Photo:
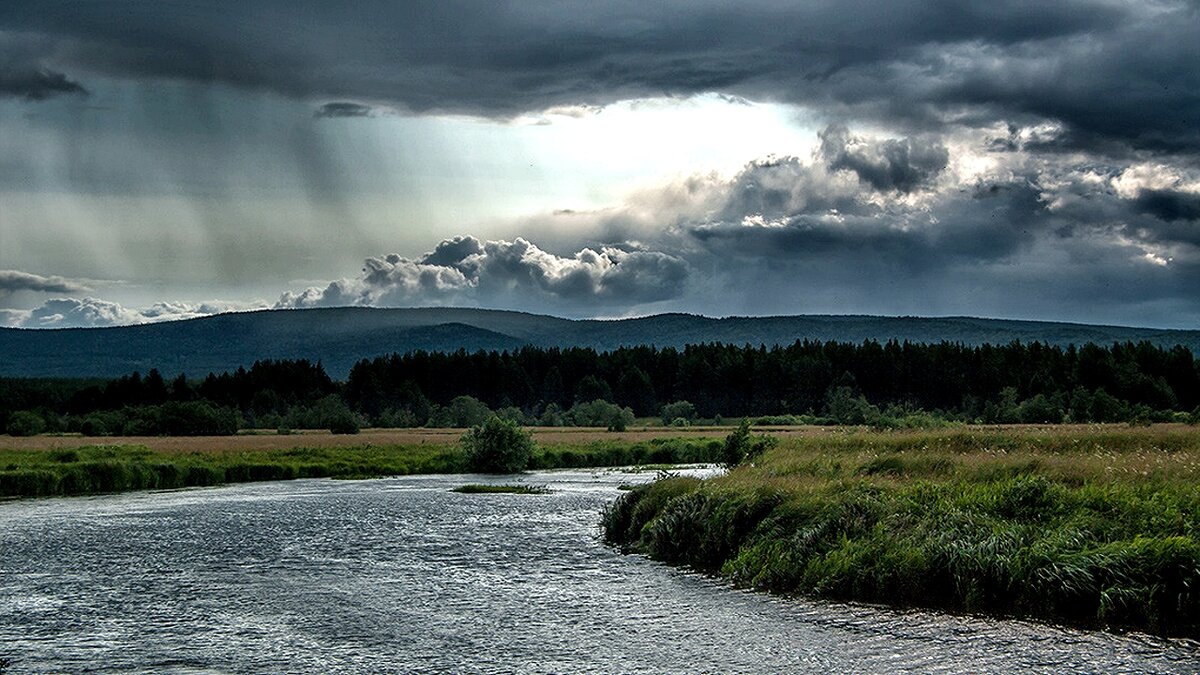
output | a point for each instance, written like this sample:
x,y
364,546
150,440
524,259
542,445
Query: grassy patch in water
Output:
x,y
480,489
1085,528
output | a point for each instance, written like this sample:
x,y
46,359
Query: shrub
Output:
x,y
600,413
740,446
344,422
25,423
553,416
497,446
678,410
461,412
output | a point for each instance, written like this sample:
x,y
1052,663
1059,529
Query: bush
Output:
x,y
25,423
497,446
343,423
740,446
677,410
462,412
600,413
553,416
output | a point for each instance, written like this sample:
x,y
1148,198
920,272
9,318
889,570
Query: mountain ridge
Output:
x,y
340,336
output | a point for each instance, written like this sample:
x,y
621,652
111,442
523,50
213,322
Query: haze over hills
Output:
x,y
339,337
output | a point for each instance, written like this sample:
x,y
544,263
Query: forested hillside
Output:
x,y
886,384
339,337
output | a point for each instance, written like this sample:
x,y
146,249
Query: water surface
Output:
x,y
401,575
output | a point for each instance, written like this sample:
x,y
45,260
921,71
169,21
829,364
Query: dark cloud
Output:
x,y
961,228
1061,237
452,252
344,109
892,164
15,280
1169,205
910,62
36,84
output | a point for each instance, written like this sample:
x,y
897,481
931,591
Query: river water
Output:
x,y
401,575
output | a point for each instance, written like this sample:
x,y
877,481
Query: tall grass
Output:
x,y
1091,529
97,468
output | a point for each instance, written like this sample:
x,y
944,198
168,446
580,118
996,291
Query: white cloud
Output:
x,y
95,313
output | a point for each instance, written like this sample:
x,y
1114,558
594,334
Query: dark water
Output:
x,y
400,575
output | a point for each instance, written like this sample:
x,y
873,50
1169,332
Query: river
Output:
x,y
402,575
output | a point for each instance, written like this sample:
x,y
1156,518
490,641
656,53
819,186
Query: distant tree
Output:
x,y
333,414
25,423
552,416
498,446
635,390
1040,410
678,410
553,390
463,412
601,413
592,388
511,413
844,406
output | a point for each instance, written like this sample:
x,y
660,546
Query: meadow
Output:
x,y
1091,526
72,465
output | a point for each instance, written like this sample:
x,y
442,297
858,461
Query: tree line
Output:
x,y
882,384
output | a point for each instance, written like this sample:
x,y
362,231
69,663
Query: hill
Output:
x,y
339,337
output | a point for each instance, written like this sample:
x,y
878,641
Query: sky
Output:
x,y
1007,158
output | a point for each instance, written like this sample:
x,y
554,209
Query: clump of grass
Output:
x,y
481,489
1099,529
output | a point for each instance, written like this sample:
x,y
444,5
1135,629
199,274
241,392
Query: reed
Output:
x,y
1077,527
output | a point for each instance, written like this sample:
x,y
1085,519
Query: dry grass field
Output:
x,y
252,440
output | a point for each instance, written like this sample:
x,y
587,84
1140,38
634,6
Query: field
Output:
x,y
74,465
258,440
1098,527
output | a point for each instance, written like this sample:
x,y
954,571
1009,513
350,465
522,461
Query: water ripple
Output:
x,y
401,575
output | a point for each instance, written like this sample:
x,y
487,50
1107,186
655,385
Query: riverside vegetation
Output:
x,y
1098,528
113,468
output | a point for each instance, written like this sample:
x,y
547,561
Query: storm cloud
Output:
x,y
920,63
16,280
344,109
1009,158
36,84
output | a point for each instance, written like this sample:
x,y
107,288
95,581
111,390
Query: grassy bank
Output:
x,y
1092,528
93,469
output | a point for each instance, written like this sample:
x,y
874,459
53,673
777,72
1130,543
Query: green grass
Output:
x,y
99,468
1077,527
479,489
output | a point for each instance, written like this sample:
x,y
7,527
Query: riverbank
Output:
x,y
91,469
1097,528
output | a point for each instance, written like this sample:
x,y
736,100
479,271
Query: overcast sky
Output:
x,y
1020,159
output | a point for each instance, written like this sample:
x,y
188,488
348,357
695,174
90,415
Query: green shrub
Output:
x,y
343,423
498,446
25,423
600,413
678,410
740,446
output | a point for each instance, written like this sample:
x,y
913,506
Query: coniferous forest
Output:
x,y
890,384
